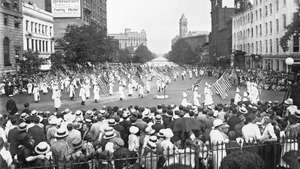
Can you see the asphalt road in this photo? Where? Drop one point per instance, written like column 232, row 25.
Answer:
column 174, row 92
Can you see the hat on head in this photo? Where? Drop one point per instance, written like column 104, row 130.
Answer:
column 77, row 143
column 42, row 148
column 126, row 114
column 292, row 109
column 152, row 142
column 52, row 120
column 237, row 90
column 289, row 101
column 112, row 122
column 78, row 113
column 22, row 126
column 133, row 129
column 243, row 110
column 158, row 118
column 149, row 130
column 217, row 123
column 61, row 133
column 109, row 133
column 297, row 113
column 168, row 133
column 184, row 94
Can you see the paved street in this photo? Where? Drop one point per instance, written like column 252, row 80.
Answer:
column 174, row 91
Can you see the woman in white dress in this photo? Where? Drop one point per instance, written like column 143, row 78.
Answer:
column 208, row 100
column 56, row 98
column 36, row 93
column 196, row 97
column 121, row 92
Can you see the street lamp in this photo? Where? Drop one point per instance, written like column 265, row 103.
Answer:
column 289, row 61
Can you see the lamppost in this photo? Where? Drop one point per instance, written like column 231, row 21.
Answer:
column 289, row 62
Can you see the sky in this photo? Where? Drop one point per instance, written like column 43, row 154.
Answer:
column 159, row 18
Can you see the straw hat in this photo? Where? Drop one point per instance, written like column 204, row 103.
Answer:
column 42, row 148
column 218, row 122
column 134, row 129
column 168, row 133
column 61, row 133
column 243, row 110
column 292, row 109
column 289, row 101
column 109, row 133
column 149, row 130
column 152, row 142
column 22, row 126
column 161, row 133
column 112, row 122
column 297, row 113
column 184, row 94
column 77, row 143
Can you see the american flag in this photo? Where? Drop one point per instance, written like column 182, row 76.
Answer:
column 222, row 85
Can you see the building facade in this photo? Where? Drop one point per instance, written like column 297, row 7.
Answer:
column 257, row 31
column 38, row 32
column 130, row 39
column 39, row 3
column 220, row 41
column 11, row 40
column 77, row 12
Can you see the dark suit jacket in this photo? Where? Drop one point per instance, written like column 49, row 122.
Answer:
column 37, row 133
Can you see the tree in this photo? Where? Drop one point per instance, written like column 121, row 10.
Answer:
column 85, row 44
column 30, row 63
column 292, row 28
column 142, row 54
column 182, row 53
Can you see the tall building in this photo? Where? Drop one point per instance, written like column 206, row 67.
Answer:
column 78, row 12
column 130, row 39
column 38, row 32
column 183, row 29
column 257, row 31
column 11, row 40
column 221, row 29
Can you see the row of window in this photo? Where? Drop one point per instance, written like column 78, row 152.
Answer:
column 249, row 18
column 257, row 47
column 34, row 27
column 17, row 21
column 258, row 30
column 39, row 45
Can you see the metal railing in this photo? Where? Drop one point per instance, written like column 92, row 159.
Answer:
column 190, row 157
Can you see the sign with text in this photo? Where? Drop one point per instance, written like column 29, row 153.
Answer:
column 66, row 8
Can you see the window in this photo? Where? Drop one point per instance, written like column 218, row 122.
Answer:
column 266, row 10
column 260, row 46
column 284, row 20
column 27, row 43
column 50, row 30
column 277, row 26
column 35, row 28
column 296, row 43
column 270, row 9
column 39, row 28
column 32, row 44
column 256, row 31
column 31, row 26
column 260, row 13
column 284, row 2
column 271, row 46
column 256, row 15
column 46, row 46
column 36, row 45
column 271, row 29
column 17, row 22
column 40, row 45
column 251, row 32
column 277, row 5
column 266, row 28
column 260, row 30
column 266, row 43
column 27, row 23
column 6, row 49
column 256, row 47
column 5, row 21
column 277, row 45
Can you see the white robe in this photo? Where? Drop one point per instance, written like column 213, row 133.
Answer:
column 56, row 98
column 111, row 88
column 71, row 90
column 196, row 98
column 130, row 89
column 87, row 91
column 36, row 94
column 121, row 92
column 96, row 92
column 148, row 86
column 44, row 88
column 82, row 94
column 29, row 88
column 208, row 100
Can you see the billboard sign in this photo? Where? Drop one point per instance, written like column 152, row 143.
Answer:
column 66, row 8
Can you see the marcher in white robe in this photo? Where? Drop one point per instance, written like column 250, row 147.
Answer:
column 56, row 98
column 121, row 91
column 184, row 101
column 190, row 74
column 141, row 91
column 196, row 97
column 237, row 97
column 148, row 86
column 111, row 88
column 44, row 88
column 29, row 88
column 96, row 93
column 87, row 90
column 72, row 91
column 82, row 95
column 2, row 88
column 208, row 100
column 36, row 94
column 130, row 89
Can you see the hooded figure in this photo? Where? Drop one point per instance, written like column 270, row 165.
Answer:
column 237, row 97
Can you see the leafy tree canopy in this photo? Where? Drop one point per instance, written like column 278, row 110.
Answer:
column 30, row 63
column 182, row 53
column 142, row 55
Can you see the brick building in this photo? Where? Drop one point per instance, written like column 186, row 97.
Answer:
column 11, row 38
column 220, row 43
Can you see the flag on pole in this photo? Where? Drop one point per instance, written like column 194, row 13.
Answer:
column 222, row 86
